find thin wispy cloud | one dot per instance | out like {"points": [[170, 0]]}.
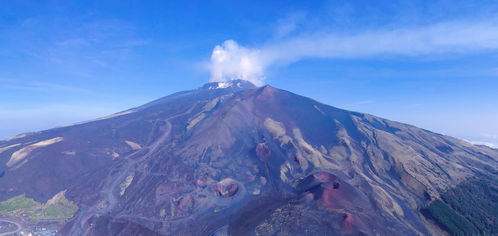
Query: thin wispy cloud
{"points": [[39, 86], [451, 38], [288, 25], [80, 47]]}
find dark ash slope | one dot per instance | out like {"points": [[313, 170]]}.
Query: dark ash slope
{"points": [[241, 160]]}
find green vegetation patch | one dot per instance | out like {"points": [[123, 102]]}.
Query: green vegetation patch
{"points": [[18, 203], [57, 208], [471, 208], [448, 219]]}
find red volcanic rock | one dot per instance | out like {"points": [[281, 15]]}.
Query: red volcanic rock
{"points": [[186, 203], [263, 151], [354, 225], [226, 188], [309, 197], [326, 178], [347, 223], [330, 198], [267, 93], [163, 192], [204, 181], [336, 184]]}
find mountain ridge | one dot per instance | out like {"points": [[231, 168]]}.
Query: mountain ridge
{"points": [[206, 155]]}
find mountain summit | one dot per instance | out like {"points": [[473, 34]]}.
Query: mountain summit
{"points": [[231, 158], [233, 84]]}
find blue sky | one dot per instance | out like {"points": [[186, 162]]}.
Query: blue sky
{"points": [[433, 64]]}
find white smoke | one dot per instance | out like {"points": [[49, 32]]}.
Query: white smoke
{"points": [[230, 61]]}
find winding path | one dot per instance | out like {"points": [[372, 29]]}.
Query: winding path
{"points": [[10, 233], [110, 194]]}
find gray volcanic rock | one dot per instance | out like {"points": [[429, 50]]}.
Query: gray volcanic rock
{"points": [[235, 159]]}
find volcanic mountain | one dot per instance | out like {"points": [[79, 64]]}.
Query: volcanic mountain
{"points": [[231, 158]]}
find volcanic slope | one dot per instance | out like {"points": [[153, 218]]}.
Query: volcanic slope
{"points": [[234, 159]]}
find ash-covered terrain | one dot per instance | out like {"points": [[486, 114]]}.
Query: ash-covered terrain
{"points": [[235, 159]]}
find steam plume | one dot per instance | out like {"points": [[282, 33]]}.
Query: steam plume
{"points": [[232, 61]]}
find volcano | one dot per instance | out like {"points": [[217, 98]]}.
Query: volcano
{"points": [[231, 158]]}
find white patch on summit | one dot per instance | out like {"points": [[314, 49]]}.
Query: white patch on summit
{"points": [[69, 153], [195, 121], [8, 147], [134, 146], [125, 184], [114, 155], [223, 85], [57, 198], [21, 154], [17, 137]]}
